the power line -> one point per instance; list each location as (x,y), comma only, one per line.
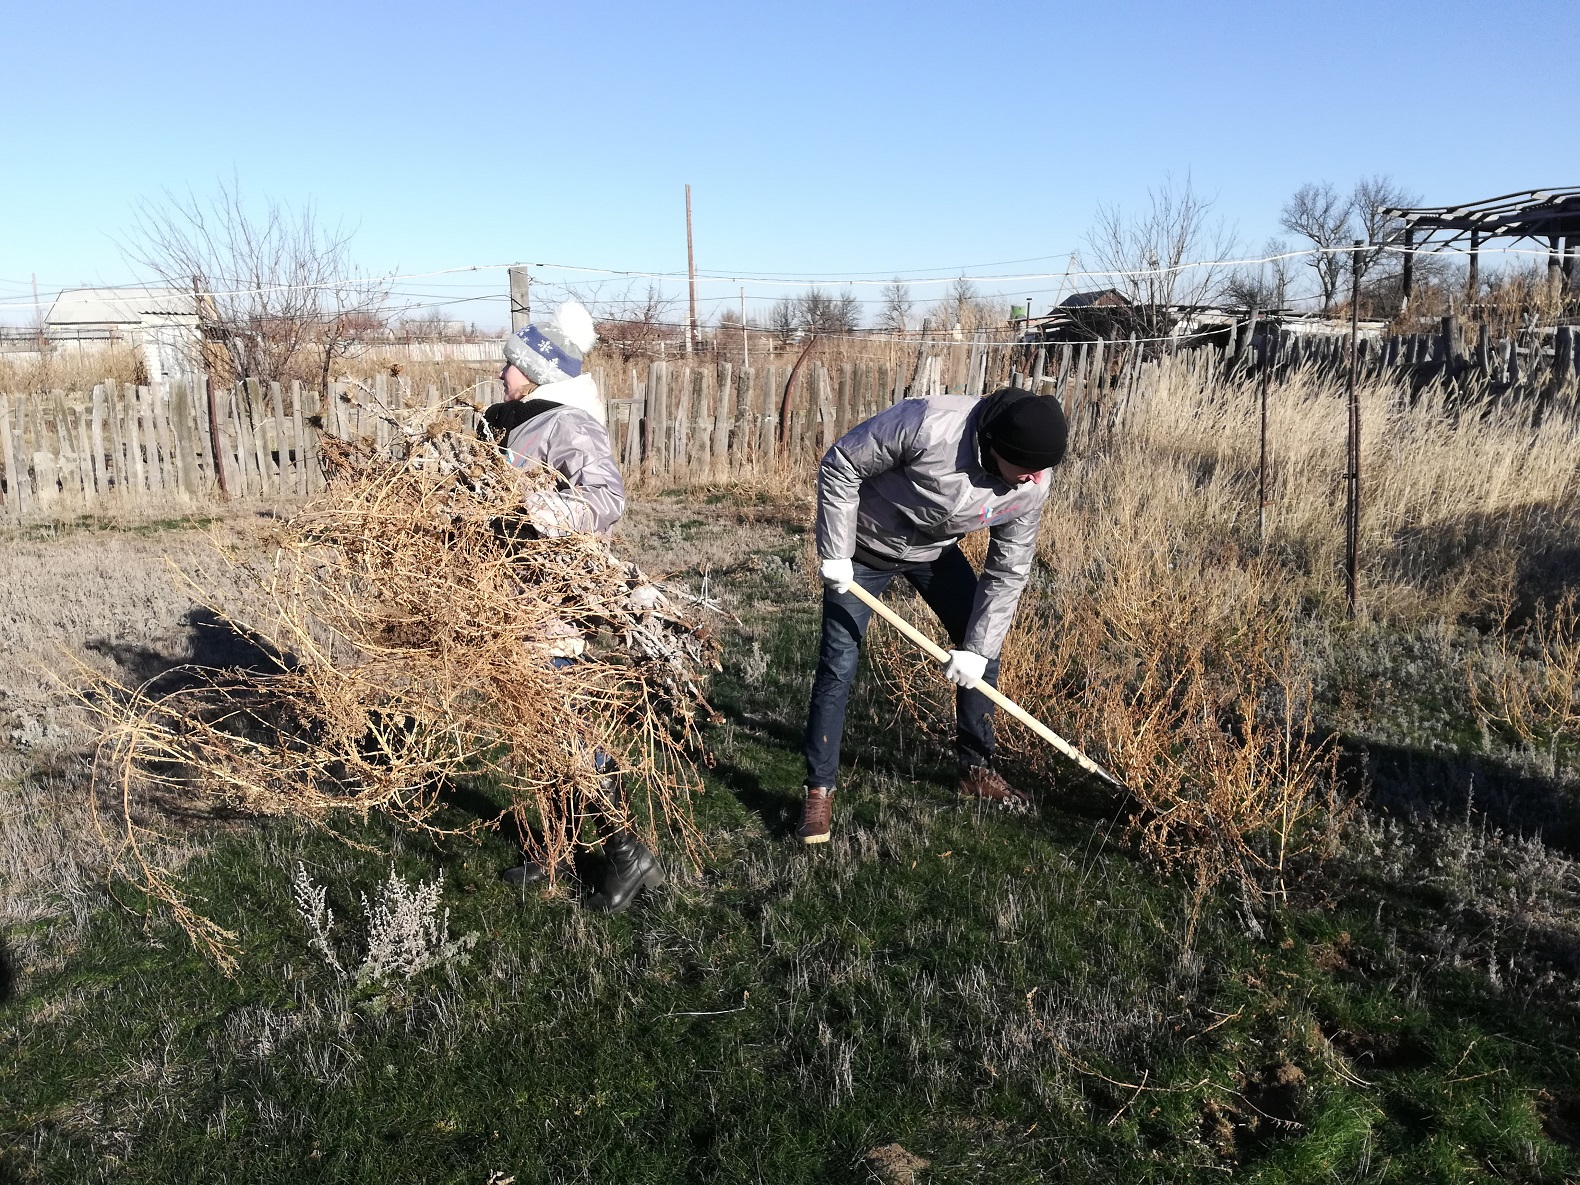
(849,280)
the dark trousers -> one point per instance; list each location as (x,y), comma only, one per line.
(948,585)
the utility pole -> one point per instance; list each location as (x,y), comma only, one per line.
(746,345)
(1352,516)
(38,315)
(691,271)
(520,299)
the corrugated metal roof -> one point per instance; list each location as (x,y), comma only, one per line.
(120,306)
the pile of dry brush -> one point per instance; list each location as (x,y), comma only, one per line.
(415,625)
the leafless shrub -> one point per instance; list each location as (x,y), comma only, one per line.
(277,292)
(636,326)
(1153,253)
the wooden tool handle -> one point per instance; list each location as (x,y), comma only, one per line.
(993,693)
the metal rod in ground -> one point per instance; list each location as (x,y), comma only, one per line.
(1261,468)
(1352,517)
(938,653)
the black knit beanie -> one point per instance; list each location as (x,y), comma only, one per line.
(1025,429)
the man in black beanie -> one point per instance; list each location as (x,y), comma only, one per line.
(896,494)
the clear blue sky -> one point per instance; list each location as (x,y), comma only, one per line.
(819,138)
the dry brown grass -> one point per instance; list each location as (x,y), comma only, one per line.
(414,628)
(1164,635)
(1527,682)
(69,371)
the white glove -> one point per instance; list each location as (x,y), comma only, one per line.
(838,574)
(965,668)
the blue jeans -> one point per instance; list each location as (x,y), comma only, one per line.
(948,585)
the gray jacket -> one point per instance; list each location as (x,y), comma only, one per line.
(576,446)
(909,483)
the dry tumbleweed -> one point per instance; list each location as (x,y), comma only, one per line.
(416,624)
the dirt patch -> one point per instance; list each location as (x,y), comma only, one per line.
(893,1165)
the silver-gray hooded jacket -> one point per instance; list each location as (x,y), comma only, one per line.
(574,444)
(909,482)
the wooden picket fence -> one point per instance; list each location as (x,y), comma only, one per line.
(702,419)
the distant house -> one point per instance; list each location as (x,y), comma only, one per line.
(161,324)
(1105,313)
(1102,298)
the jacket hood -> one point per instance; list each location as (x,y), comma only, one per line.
(580,392)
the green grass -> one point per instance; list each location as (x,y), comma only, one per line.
(1005,997)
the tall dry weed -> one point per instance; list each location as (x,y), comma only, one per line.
(1527,682)
(1166,635)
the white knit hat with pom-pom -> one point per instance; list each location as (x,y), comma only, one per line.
(551,351)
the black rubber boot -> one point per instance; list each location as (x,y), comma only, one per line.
(530,872)
(630,869)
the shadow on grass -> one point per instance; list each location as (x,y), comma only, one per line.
(7,972)
(1401,780)
(214,645)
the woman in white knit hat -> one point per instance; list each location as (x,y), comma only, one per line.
(553,416)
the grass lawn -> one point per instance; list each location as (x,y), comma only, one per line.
(1005,997)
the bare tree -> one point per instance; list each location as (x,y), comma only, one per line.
(1321,216)
(829,313)
(636,325)
(1163,257)
(1371,197)
(1262,286)
(277,292)
(895,314)
(783,320)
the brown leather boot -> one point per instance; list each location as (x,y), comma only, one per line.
(984,782)
(817,813)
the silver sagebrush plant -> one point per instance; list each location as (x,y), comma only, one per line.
(407,932)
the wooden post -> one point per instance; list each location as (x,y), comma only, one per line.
(744,440)
(282,484)
(1451,356)
(658,416)
(134,441)
(1554,268)
(148,402)
(1563,357)
(1407,276)
(314,410)
(784,404)
(298,437)
(216,451)
(1473,278)
(258,429)
(1483,351)
(90,491)
(691,272)
(13,479)
(181,443)
(722,420)
(1353,501)
(520,299)
(101,479)
(633,425)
